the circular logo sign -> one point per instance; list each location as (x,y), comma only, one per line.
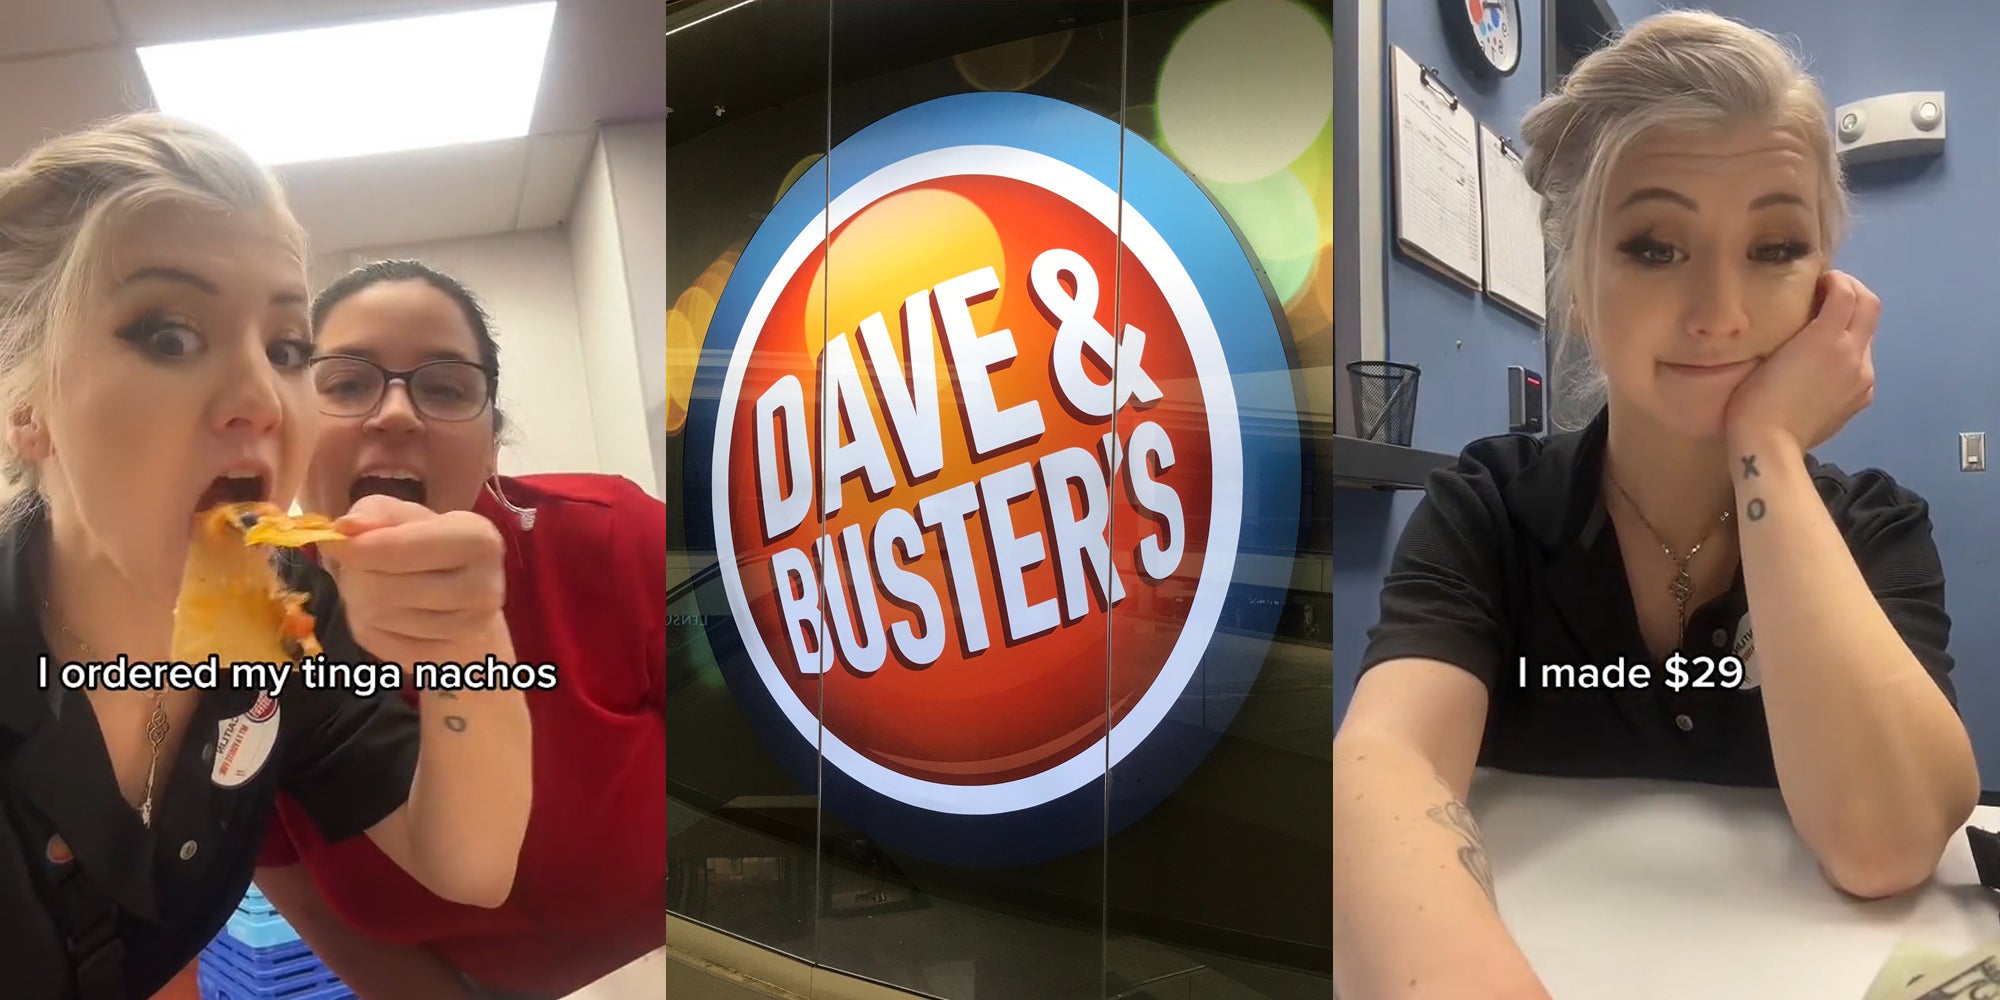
(981,435)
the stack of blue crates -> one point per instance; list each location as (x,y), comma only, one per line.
(259,957)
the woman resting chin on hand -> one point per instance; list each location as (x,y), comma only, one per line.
(1690,176)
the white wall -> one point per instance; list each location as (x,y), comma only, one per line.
(580,311)
(527,284)
(637,155)
(603,234)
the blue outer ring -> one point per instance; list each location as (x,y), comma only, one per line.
(1239,300)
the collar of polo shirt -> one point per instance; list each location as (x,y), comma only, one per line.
(45,753)
(23,704)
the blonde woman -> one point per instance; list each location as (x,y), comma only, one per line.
(153,349)
(1694,203)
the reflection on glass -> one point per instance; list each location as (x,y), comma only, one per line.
(992,854)
(932,624)
(740,827)
(1237,93)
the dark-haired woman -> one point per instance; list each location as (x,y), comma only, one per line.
(406,370)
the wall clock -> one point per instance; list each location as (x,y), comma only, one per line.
(1485,34)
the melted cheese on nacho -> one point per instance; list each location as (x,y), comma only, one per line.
(232,604)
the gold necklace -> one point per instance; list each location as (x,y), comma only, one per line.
(1682,586)
(156,725)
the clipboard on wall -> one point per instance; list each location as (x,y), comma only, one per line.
(1515,260)
(1435,149)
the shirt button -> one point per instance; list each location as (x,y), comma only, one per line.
(1720,637)
(1686,724)
(188,849)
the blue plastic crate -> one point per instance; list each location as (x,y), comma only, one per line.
(259,930)
(254,903)
(231,970)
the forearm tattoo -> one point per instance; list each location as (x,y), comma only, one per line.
(1754,510)
(1454,816)
(455,723)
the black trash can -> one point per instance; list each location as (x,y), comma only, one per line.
(1385,400)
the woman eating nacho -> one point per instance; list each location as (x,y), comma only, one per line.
(407,368)
(153,368)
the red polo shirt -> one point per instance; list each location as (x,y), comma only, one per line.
(586,591)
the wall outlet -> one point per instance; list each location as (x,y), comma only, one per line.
(1972,451)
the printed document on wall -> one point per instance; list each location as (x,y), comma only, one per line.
(1516,271)
(1436,148)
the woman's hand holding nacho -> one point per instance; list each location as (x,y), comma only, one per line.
(424,587)
(419,586)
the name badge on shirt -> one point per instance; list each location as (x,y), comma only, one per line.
(243,743)
(1746,651)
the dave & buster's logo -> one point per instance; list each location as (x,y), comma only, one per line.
(977,431)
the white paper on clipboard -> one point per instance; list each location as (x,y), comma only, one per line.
(1436,151)
(1516,268)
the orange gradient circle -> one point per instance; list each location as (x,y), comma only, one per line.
(1016,704)
(956,235)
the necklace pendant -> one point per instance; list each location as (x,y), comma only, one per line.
(146,803)
(1682,588)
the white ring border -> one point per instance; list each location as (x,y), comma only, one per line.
(1218,562)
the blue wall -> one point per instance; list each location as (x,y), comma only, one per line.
(1461,340)
(1628,11)
(1923,240)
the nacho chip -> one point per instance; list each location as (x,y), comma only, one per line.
(232,604)
(290,532)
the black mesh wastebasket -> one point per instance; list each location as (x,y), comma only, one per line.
(1385,400)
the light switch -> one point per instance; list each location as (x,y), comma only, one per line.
(1972,451)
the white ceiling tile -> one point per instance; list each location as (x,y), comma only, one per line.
(555,167)
(409,197)
(56,27)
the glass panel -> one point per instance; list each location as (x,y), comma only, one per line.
(748,93)
(1024,570)
(1219,863)
(963,820)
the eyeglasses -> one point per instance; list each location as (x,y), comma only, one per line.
(450,391)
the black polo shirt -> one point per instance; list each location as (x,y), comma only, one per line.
(348,760)
(1510,555)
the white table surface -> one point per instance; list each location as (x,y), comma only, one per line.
(644,978)
(1640,890)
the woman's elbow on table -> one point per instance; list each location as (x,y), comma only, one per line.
(1881,874)
(1876,860)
